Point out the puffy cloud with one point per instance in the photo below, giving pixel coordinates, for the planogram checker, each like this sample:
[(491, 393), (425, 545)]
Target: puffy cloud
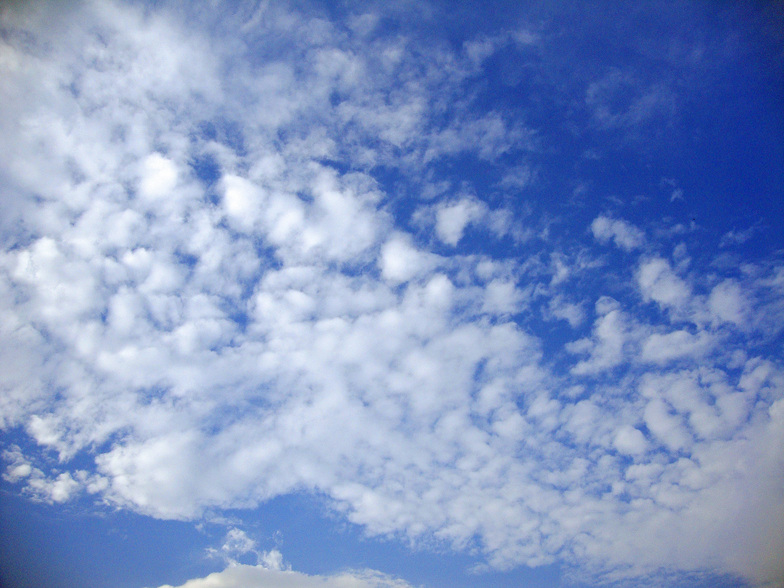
[(728, 304), (630, 441), (608, 346), (452, 219), (661, 348), (52, 489), (401, 261), (237, 544), (659, 283), (159, 177), (625, 235), (572, 313), (502, 296), (242, 201), (666, 425), (244, 576)]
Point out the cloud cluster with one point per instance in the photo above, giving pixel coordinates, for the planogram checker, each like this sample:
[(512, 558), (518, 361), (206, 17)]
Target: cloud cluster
[(207, 288), (271, 571), (623, 234), (244, 576)]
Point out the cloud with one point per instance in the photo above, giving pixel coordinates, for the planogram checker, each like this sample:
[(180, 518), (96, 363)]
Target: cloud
[(618, 100), (657, 282), (53, 489), (502, 296), (209, 340), (625, 235), (159, 177), (728, 304), (606, 348), (661, 348), (272, 572), (401, 261), (244, 576), (572, 313), (630, 441), (237, 544), (735, 237), (452, 219)]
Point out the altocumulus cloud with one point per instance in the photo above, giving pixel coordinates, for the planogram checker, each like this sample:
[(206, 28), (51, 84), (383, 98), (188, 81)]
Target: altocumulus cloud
[(244, 576), (210, 290), (272, 572)]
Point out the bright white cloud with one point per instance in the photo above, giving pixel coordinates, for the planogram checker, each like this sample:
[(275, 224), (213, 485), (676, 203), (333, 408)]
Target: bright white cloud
[(158, 178), (502, 297), (242, 201), (659, 283), (53, 489), (611, 335), (401, 261), (630, 441), (625, 235), (243, 576), (728, 304), (660, 348), (452, 219)]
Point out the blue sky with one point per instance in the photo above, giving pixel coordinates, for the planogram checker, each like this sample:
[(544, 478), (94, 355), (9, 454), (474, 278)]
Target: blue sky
[(391, 294)]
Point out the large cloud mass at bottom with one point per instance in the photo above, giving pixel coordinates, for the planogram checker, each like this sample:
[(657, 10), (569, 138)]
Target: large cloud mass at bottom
[(245, 576)]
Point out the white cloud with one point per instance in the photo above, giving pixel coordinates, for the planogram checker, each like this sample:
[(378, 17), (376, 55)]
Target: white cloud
[(611, 335), (452, 219), (159, 177), (449, 219), (490, 136), (735, 237), (661, 348), (272, 560), (242, 201), (401, 261), (244, 576), (728, 304), (501, 297), (238, 545), (237, 541), (18, 467), (666, 426), (52, 489), (572, 313), (625, 235), (659, 283), (630, 441), (61, 488)]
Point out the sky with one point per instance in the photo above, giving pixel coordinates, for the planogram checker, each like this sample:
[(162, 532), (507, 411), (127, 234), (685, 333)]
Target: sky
[(391, 294)]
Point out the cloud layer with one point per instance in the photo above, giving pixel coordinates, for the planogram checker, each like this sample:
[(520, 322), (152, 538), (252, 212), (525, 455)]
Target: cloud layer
[(272, 572), (244, 576), (210, 288)]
